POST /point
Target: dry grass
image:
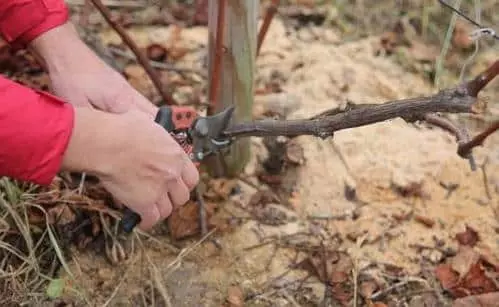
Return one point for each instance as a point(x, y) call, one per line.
point(31, 256)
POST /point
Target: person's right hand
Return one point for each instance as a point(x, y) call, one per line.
point(137, 161)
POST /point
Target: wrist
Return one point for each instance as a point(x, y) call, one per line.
point(91, 144)
point(59, 47)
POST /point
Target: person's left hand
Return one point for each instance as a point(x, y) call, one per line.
point(80, 77)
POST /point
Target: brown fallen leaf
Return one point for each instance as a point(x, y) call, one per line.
point(466, 274)
point(156, 52)
point(337, 272)
point(465, 258)
point(201, 15)
point(482, 300)
point(461, 38)
point(262, 198)
point(468, 237)
point(184, 221)
point(367, 288)
point(219, 188)
point(235, 297)
point(389, 41)
point(272, 180)
point(448, 278)
point(61, 214)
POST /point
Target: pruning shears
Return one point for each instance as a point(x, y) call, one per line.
point(199, 136)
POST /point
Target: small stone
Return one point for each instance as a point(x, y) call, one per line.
point(350, 188)
point(433, 255)
point(105, 274)
point(408, 183)
point(305, 35)
point(330, 36)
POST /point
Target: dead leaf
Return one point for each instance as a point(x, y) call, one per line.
point(337, 272)
point(235, 297)
point(464, 259)
point(447, 277)
point(468, 237)
point(261, 198)
point(482, 300)
point(201, 14)
point(389, 41)
point(461, 38)
point(61, 214)
point(96, 224)
point(271, 179)
point(367, 288)
point(156, 52)
point(477, 282)
point(220, 188)
point(466, 274)
point(184, 221)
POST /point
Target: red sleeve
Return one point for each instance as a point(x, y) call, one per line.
point(21, 21)
point(35, 128)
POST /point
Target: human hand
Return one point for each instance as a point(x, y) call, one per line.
point(79, 76)
point(135, 160)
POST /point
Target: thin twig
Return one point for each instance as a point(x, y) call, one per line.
point(158, 65)
point(465, 149)
point(141, 58)
point(485, 178)
point(202, 211)
point(269, 15)
point(113, 3)
point(217, 61)
point(476, 85)
point(383, 292)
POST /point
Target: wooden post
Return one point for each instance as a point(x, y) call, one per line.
point(233, 80)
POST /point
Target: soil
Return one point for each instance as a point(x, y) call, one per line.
point(400, 174)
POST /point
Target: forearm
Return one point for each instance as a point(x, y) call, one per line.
point(21, 21)
point(35, 129)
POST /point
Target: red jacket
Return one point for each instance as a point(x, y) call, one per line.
point(35, 126)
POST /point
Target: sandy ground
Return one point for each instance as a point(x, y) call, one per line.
point(319, 73)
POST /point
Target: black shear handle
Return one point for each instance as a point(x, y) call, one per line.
point(164, 117)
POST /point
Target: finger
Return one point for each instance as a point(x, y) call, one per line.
point(179, 193)
point(190, 175)
point(144, 105)
point(165, 206)
point(150, 215)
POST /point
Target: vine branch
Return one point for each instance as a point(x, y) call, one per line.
point(460, 99)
